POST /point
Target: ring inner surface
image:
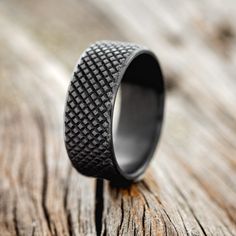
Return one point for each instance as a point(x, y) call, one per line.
point(138, 114)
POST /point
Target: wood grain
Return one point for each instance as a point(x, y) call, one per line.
point(190, 188)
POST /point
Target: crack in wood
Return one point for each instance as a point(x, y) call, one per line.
point(99, 205)
point(185, 228)
point(33, 230)
point(17, 230)
point(171, 222)
point(143, 219)
point(41, 128)
point(122, 214)
point(65, 203)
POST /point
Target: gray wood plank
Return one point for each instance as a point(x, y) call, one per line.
point(190, 189)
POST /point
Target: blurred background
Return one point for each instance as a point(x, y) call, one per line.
point(195, 41)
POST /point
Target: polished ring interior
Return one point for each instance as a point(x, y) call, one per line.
point(141, 106)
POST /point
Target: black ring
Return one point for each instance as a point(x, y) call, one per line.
point(97, 146)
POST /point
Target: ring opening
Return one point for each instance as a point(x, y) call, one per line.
point(138, 114)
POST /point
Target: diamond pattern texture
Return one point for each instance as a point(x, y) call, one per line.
point(89, 106)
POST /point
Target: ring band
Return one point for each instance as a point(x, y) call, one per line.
point(114, 111)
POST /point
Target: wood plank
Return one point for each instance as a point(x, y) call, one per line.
point(40, 193)
point(190, 188)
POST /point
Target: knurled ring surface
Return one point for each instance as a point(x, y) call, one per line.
point(111, 77)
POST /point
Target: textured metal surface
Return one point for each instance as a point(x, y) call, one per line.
point(89, 105)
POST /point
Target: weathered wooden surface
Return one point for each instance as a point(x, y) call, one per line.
point(190, 189)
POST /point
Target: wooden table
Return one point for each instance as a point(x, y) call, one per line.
point(190, 188)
